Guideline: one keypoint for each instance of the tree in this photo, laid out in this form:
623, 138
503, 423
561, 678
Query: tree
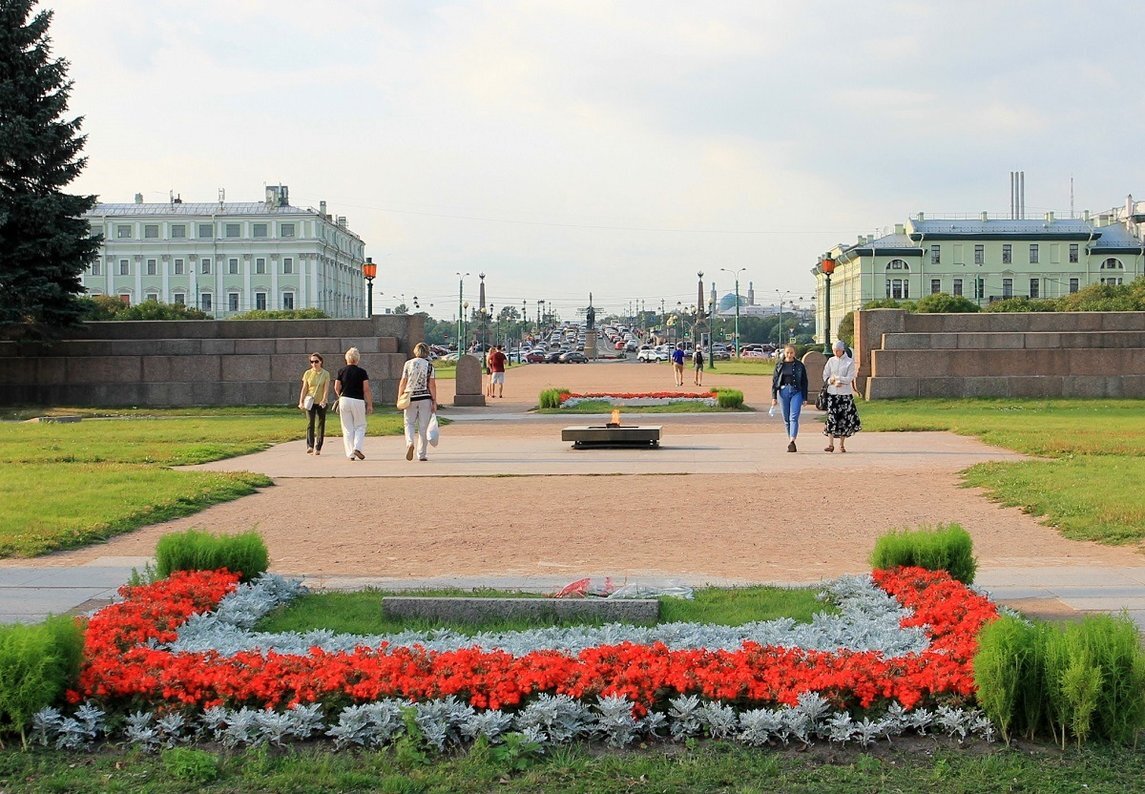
44, 242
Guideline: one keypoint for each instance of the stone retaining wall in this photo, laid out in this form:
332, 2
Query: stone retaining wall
1036, 354
205, 363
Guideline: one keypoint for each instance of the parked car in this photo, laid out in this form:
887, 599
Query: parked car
573, 357
650, 355
535, 357
553, 357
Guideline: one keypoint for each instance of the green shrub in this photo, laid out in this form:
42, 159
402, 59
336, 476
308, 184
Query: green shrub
37, 663
942, 548
190, 765
551, 398
729, 398
1114, 648
942, 303
281, 314
192, 550
1023, 304
999, 666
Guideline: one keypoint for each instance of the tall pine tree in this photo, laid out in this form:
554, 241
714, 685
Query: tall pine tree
44, 243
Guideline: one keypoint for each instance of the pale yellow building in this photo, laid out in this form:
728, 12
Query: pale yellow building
984, 259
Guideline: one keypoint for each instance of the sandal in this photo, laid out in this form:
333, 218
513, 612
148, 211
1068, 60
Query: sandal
829, 449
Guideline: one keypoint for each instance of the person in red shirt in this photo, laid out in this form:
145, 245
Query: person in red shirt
497, 361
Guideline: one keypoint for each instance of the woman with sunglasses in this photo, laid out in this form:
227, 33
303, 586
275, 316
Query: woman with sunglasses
312, 399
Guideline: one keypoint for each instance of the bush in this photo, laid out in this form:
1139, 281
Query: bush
281, 314
942, 548
1004, 647
729, 398
192, 550
37, 664
1023, 305
109, 307
941, 303
551, 398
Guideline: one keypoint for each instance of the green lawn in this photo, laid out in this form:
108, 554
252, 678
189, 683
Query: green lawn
70, 484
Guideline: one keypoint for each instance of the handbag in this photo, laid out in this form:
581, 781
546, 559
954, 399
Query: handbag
432, 431
307, 403
821, 398
403, 401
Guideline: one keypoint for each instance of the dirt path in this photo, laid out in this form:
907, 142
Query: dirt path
801, 524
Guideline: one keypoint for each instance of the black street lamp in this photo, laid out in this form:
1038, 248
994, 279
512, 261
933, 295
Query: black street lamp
736, 274
369, 271
827, 267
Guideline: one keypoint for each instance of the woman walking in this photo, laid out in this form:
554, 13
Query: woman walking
354, 402
789, 390
312, 399
419, 382
842, 417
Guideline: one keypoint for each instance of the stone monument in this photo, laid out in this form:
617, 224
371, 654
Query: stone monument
468, 382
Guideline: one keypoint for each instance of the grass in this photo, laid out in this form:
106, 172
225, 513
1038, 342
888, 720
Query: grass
605, 407
927, 764
111, 472
359, 612
1086, 481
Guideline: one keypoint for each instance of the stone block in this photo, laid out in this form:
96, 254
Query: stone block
880, 388
218, 347
254, 347
883, 363
105, 369
1035, 385
814, 361
298, 347
245, 368
49, 371
207, 393
389, 344
1042, 339
480, 610
367, 345
468, 382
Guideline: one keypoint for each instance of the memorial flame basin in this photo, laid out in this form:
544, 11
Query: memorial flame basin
612, 435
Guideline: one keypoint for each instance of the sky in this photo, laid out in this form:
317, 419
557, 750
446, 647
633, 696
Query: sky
564, 147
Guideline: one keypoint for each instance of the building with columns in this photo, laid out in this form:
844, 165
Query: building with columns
985, 259
228, 257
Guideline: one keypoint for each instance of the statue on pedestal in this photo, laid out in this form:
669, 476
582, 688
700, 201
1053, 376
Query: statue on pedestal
589, 315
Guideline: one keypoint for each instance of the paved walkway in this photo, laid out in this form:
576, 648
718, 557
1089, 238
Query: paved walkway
29, 591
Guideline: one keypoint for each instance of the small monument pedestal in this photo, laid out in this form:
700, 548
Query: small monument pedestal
468, 383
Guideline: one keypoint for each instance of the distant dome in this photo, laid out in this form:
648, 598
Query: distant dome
729, 301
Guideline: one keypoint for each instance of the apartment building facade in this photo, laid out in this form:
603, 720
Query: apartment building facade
985, 259
228, 257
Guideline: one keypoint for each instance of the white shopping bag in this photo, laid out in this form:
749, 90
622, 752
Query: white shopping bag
432, 431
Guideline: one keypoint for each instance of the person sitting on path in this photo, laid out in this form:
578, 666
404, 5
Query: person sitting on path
698, 366
789, 389
497, 361
421, 385
842, 416
354, 403
312, 399
678, 363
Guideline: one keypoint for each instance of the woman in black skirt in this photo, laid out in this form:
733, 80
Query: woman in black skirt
842, 418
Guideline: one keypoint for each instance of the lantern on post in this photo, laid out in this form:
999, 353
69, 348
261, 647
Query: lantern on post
827, 267
369, 270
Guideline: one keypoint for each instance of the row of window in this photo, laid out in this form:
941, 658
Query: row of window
205, 231
179, 266
935, 258
207, 301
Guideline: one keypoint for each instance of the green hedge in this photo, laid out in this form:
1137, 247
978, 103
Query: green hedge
729, 398
943, 548
551, 398
192, 550
37, 664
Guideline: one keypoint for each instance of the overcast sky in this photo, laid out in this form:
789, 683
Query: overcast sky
568, 146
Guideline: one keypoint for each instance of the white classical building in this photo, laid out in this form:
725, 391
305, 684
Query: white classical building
985, 259
226, 258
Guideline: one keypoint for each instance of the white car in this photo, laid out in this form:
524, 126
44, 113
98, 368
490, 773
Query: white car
650, 355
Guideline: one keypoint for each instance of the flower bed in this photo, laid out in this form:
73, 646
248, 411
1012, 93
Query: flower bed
569, 399
131, 658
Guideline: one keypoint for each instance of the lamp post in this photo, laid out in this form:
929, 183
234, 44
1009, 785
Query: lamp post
369, 270
781, 295
460, 315
736, 273
827, 267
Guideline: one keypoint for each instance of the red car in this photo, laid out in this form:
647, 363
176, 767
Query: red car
535, 357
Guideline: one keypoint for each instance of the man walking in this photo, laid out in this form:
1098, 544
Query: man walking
678, 363
497, 361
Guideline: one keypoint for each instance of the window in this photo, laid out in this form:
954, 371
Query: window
898, 288
179, 298
258, 230
288, 300
957, 286
897, 264
205, 301
935, 285
152, 267
935, 254
1034, 285
233, 266
1007, 253
979, 254
286, 230
260, 266
151, 231
153, 297
1111, 281
124, 267
96, 266
1073, 252
1033, 253
1007, 288
178, 231
125, 297
233, 230
1112, 264
178, 267
206, 231
1073, 285
260, 301
123, 232
287, 265
206, 266
232, 301
979, 288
